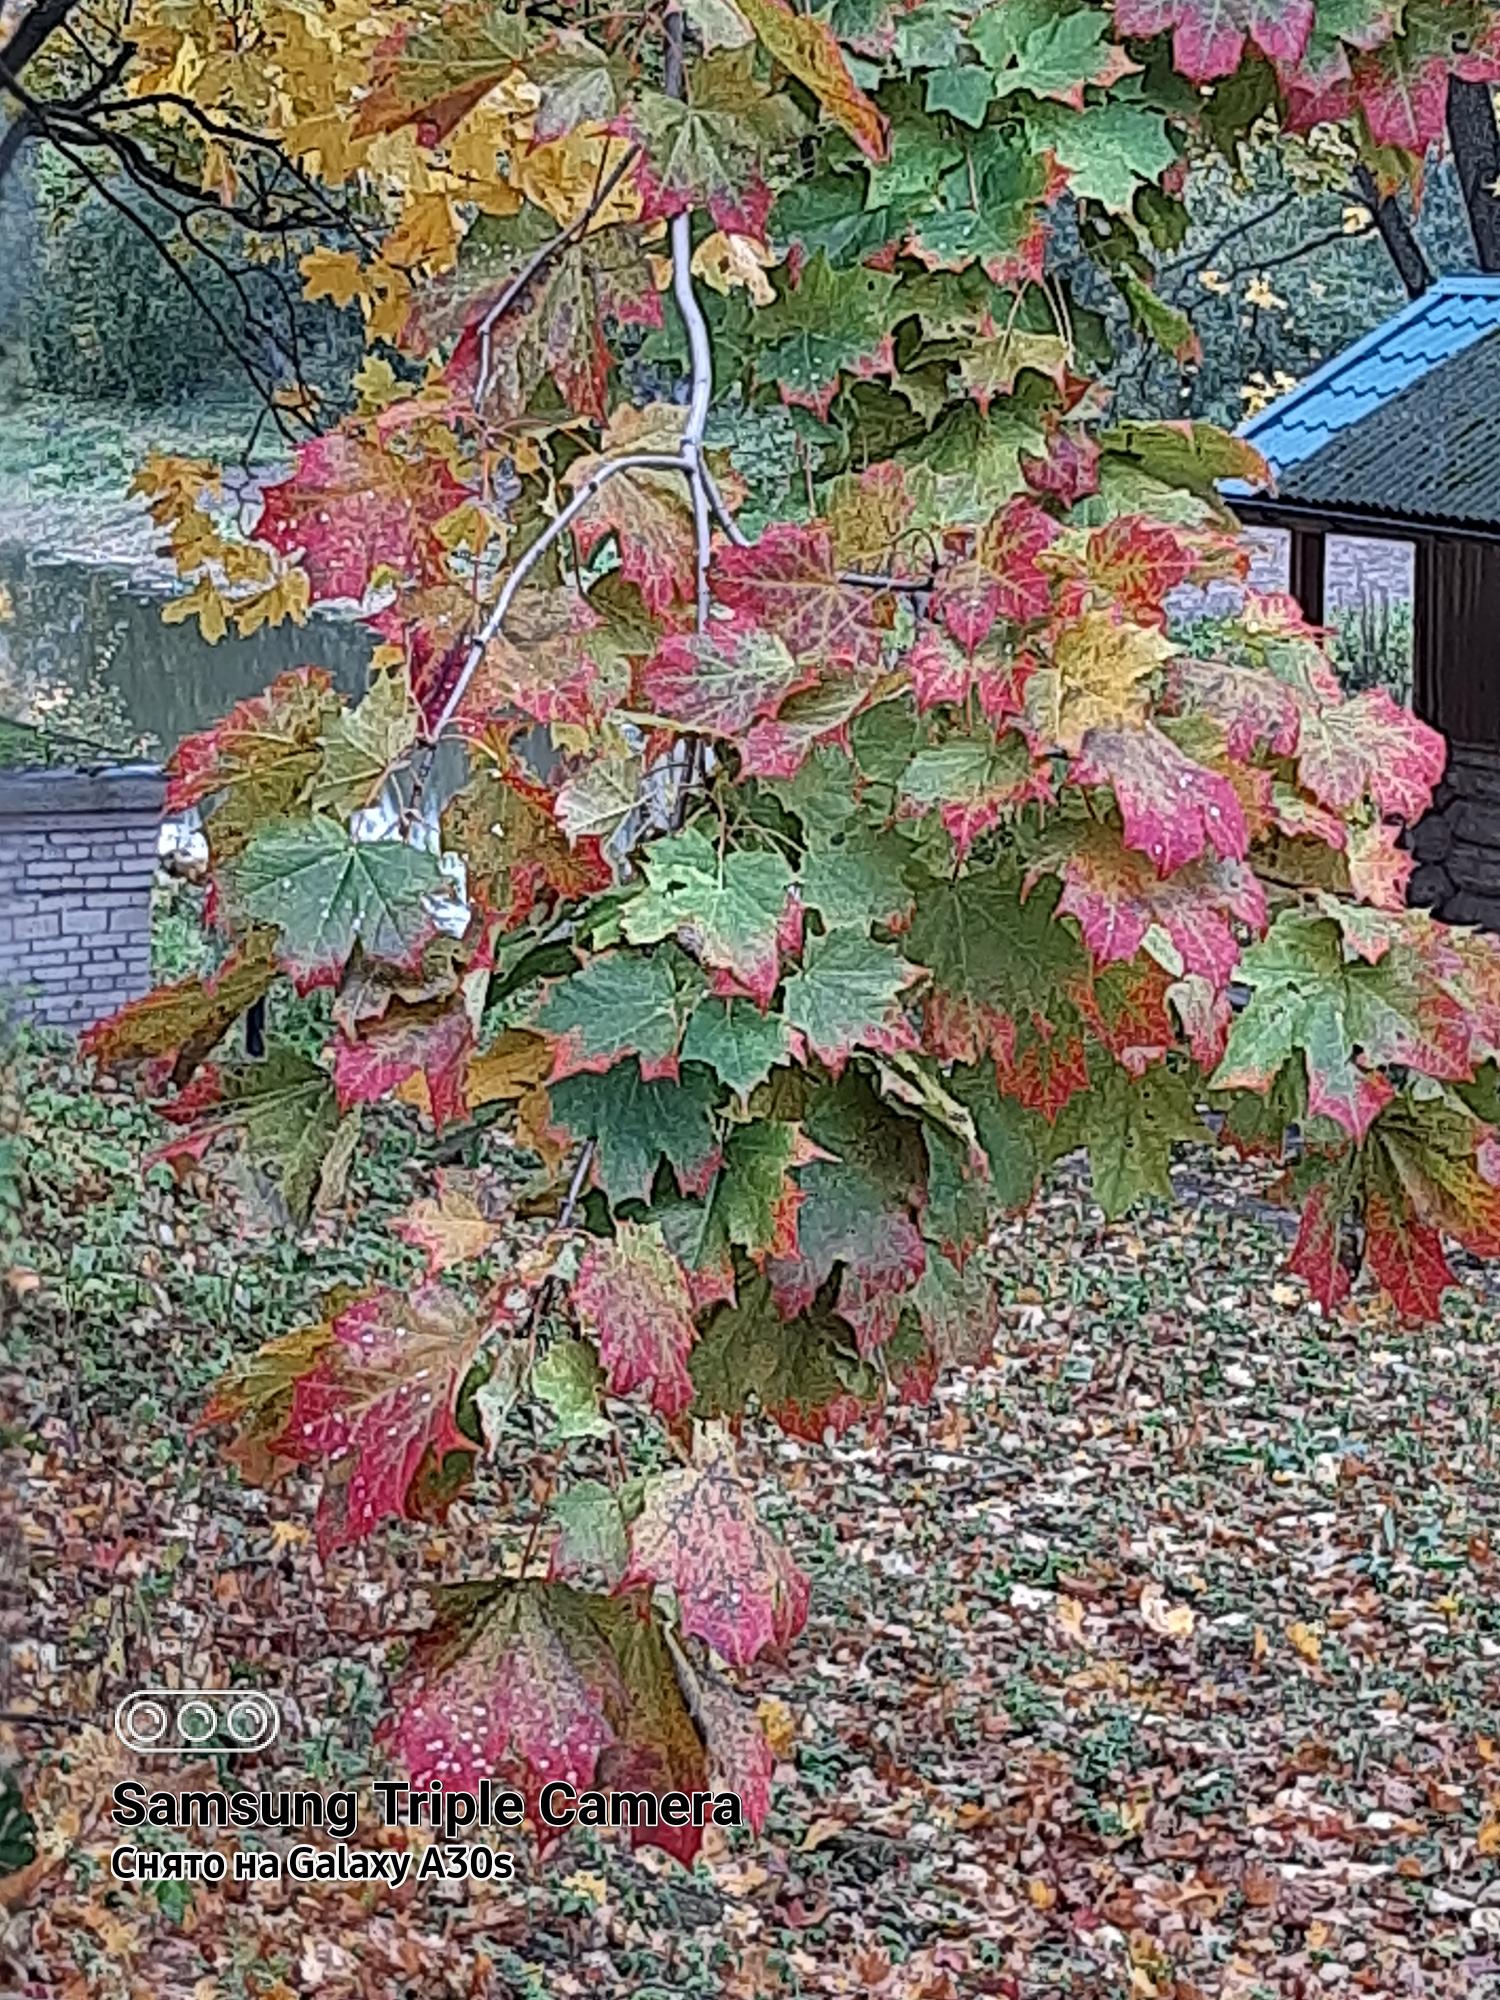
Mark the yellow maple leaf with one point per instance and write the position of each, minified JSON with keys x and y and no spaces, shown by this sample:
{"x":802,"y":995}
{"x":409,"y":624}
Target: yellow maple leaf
{"x":564,"y":177}
{"x":726,"y":261}
{"x":203,"y":602}
{"x":1305,"y":1641}
{"x":1101,"y":667}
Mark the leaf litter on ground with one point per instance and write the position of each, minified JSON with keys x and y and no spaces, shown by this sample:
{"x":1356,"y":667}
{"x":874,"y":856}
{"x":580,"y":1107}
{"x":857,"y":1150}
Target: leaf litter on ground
{"x":1156,"y":1658}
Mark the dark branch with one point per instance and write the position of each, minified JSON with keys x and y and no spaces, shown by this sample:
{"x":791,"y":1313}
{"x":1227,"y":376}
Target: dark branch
{"x":1476,"y":153}
{"x":1396,"y":234}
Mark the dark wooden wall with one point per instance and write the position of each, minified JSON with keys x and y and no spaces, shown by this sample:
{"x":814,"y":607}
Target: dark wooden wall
{"x":1456,"y":655}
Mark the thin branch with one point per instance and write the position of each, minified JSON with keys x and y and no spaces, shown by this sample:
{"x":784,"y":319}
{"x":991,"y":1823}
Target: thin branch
{"x":1301,"y":250}
{"x":194,"y":291}
{"x":1396,"y":233}
{"x":720,"y":506}
{"x":539,"y":258}
{"x":240,"y":135}
{"x":1204,"y":259}
{"x":638,"y":461}
{"x":12,"y":139}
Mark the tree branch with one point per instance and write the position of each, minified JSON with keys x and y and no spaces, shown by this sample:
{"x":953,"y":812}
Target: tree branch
{"x":1396,"y":234}
{"x":1476,"y":153}
{"x":659,"y":461}
{"x":537,"y":261}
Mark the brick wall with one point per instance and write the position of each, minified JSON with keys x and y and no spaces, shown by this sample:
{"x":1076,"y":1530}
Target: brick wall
{"x":77,"y":857}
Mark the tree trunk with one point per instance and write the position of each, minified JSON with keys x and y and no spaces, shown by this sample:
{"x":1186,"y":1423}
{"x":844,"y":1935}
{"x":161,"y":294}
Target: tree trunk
{"x":1476,"y":152}
{"x":1406,"y":252}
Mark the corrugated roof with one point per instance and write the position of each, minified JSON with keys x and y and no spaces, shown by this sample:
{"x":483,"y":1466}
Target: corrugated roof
{"x":1445,"y":322}
{"x":1429,"y":453}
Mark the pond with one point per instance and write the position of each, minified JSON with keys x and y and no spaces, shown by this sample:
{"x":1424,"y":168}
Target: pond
{"x":85,"y":648}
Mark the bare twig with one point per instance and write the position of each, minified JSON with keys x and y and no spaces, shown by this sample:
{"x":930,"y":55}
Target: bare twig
{"x":535,"y":263}
{"x":636,"y":461}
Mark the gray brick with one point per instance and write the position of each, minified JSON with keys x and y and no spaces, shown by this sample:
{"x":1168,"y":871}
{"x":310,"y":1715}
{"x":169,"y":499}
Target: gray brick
{"x":44,"y":923}
{"x":83,"y":921}
{"x":131,"y":918}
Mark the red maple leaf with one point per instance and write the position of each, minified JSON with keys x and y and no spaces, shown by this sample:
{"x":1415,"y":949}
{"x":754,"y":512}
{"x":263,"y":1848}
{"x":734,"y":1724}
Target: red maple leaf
{"x":737,"y":1588}
{"x":1406,"y":1255}
{"x":1251,"y":707}
{"x":1068,"y":472}
{"x":1116,"y":896}
{"x":350,"y":508}
{"x":514,"y":1683}
{"x":1317,"y":1254}
{"x":1370,"y":746}
{"x":1138,"y":562}
{"x":787,"y":582}
{"x":1046,"y":1072}
{"x":1171,"y":808}
{"x":379,"y":1402}
{"x":999,"y":577}
{"x":632,"y":1297}
{"x":1404,"y":97}
{"x":1209,"y":36}
{"x":408,"y":1042}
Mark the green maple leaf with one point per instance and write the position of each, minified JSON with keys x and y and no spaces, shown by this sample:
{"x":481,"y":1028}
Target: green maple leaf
{"x":847,"y":992}
{"x":637,"y":1122}
{"x":568,"y":1379}
{"x":739,"y":1043}
{"x":1129,"y":1125}
{"x":827,"y":324}
{"x":987,"y":205}
{"x":995,"y":958}
{"x":744,"y":1208}
{"x":1109,"y":150}
{"x":1030,"y":45}
{"x":1341,"y":1018}
{"x":590,"y":1531}
{"x":360,"y":746}
{"x":820,"y":793}
{"x":285,"y":1108}
{"x":623,"y":1003}
{"x":860,"y":880}
{"x":921,"y":153}
{"x":964,"y":90}
{"x":802,"y":1371}
{"x":725,"y":909}
{"x":326,"y":893}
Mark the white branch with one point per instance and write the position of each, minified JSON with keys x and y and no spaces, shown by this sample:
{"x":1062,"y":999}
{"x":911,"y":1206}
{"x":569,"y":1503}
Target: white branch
{"x":637,"y":461}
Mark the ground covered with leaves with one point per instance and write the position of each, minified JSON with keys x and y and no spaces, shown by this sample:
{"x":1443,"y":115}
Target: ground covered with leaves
{"x":1160,"y":1657}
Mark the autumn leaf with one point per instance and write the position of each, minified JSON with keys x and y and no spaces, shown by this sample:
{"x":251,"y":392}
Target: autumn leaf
{"x":351,"y":508}
{"x":1368,"y":747}
{"x":512,"y":1682}
{"x":646,"y":508}
{"x":807,"y":47}
{"x":698,"y":1532}
{"x":632,"y":1298}
{"x":787,"y":583}
{"x":432,"y":1043}
{"x":725,"y":908}
{"x":1001,"y":578}
{"x":1209,"y":36}
{"x":449,"y":1229}
{"x":255,"y":764}
{"x":720,"y":681}
{"x":325,"y":893}
{"x":377,"y":1404}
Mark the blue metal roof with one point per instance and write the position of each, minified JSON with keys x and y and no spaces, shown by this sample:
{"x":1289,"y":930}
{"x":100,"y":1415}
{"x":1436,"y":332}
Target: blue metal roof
{"x":1449,"y":317}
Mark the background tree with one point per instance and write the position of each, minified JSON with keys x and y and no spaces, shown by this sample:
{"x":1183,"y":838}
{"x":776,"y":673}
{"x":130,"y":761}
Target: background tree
{"x":798,"y":885}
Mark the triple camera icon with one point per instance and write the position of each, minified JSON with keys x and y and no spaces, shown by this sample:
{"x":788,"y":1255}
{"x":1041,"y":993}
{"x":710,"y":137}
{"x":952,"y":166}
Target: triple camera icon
{"x":216,"y":1722}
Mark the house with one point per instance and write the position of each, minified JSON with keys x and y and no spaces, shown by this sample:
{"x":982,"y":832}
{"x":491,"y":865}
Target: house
{"x":1398,"y":438}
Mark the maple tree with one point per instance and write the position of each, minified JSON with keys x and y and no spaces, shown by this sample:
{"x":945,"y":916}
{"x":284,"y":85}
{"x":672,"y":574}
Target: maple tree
{"x":811,"y":893}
